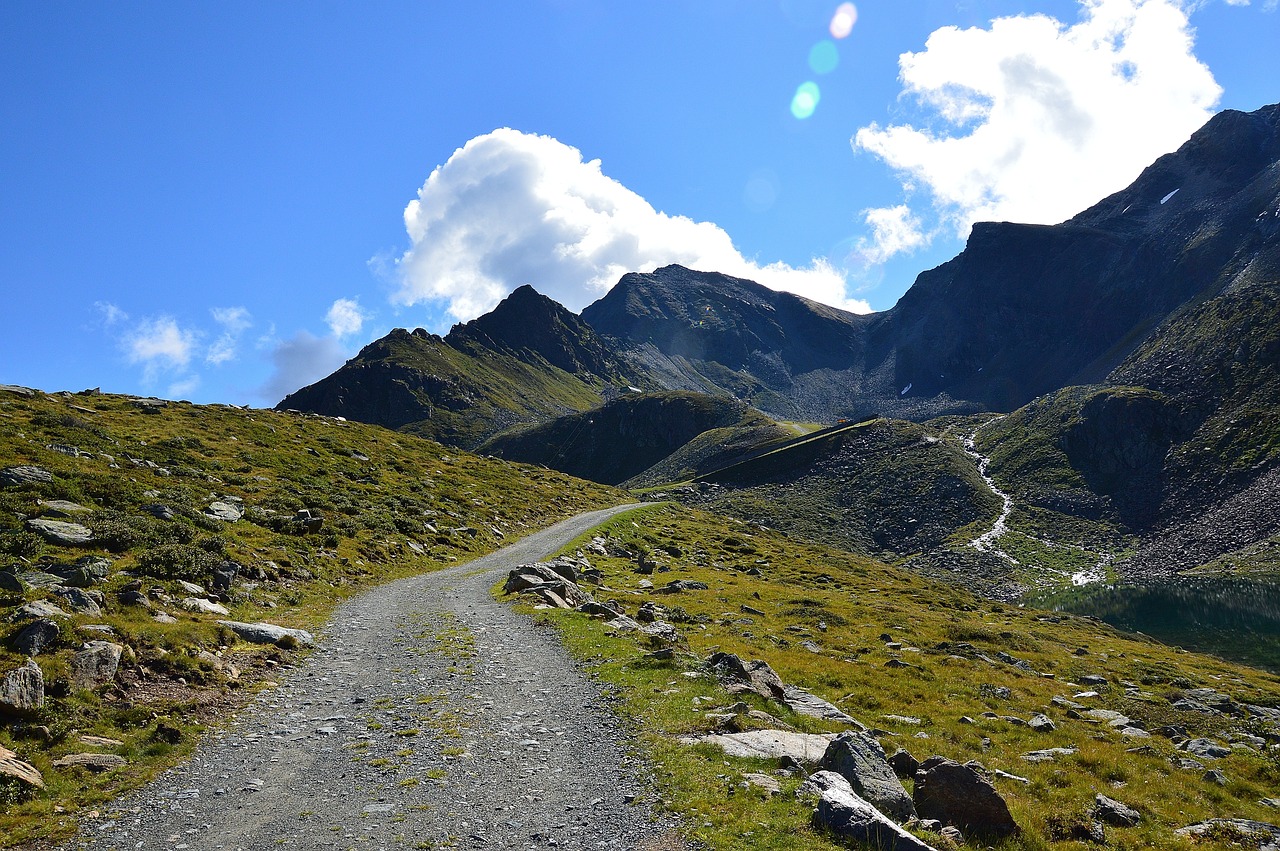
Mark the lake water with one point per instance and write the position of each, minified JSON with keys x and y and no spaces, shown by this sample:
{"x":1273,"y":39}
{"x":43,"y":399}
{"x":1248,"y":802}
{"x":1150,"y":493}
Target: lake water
{"x":1236,"y":619}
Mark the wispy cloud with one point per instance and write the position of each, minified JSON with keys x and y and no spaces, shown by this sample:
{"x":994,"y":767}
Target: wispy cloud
{"x":1033,"y":120}
{"x":234,"y":321}
{"x":510,"y":208}
{"x":345,"y":317}
{"x":110,"y":313}
{"x":159,"y":344}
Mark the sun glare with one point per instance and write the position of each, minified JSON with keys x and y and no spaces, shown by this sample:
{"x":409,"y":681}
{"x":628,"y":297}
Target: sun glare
{"x":824,"y":57}
{"x":805,"y":100}
{"x":843,"y":20}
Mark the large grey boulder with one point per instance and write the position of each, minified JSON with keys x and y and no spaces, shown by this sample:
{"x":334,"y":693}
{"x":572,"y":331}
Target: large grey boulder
{"x":96,"y":663}
{"x":80,"y":601}
{"x":36,"y":636}
{"x":1113,"y":812}
{"x":269,"y":633}
{"x":95,"y":762}
{"x":960,"y":795}
{"x":225,"y":511}
{"x":755,"y":676}
{"x":804,"y":748}
{"x":22,"y":689}
{"x":61,"y":532}
{"x":1265,"y":835}
{"x":24,"y":475}
{"x":859,"y":758}
{"x":843,"y":812}
{"x":803,"y":702}
{"x":203,"y":607}
{"x":84,"y":573}
{"x":38,"y":609}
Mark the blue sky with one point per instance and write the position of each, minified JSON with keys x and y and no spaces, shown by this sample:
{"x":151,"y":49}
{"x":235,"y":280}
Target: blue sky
{"x":221,"y":202}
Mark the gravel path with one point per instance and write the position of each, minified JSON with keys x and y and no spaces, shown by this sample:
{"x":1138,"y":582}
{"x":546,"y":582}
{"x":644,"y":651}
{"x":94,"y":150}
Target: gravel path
{"x":430,"y":716}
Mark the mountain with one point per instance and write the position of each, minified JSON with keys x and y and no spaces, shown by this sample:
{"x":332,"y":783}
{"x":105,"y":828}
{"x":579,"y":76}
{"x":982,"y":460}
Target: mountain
{"x":528,"y":360}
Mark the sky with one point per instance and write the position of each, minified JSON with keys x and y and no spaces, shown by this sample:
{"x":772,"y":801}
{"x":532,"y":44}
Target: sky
{"x":222,"y":202}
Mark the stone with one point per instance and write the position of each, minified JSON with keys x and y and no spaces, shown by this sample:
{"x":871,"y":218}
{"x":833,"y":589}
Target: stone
{"x":769,"y":785}
{"x":61,"y":532}
{"x":952,"y":834}
{"x":11,"y":766}
{"x":1048,"y":754}
{"x":269,"y":633}
{"x":1093,"y":680}
{"x":159,"y":511}
{"x":225,"y":511}
{"x":39,"y":609}
{"x":859,"y":758}
{"x":80,"y":601}
{"x":1206,"y":749}
{"x":677,"y":586}
{"x":1187,"y":763}
{"x":1113,"y":812}
{"x":22,"y":689}
{"x":96,"y":663}
{"x":1215,"y":777}
{"x":904,"y":764}
{"x":960,"y":795}
{"x":24,"y":475}
{"x":1257,"y":833}
{"x":820,"y":781}
{"x":223,"y":577}
{"x":852,"y":818}
{"x":204,"y":607}
{"x":164,"y":617}
{"x":134,"y":598}
{"x":96,"y":762}
{"x":84,"y":573}
{"x":190,"y":587}
{"x":62,"y":508}
{"x":755,"y":676}
{"x":802,"y":702}
{"x":804,"y":748}
{"x":36,"y":636}
{"x":99,"y":741}
{"x":1041,"y":723}
{"x":31,"y":580}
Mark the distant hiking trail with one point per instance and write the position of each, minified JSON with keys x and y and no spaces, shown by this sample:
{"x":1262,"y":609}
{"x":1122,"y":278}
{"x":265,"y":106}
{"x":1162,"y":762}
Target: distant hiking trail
{"x":430,"y":715}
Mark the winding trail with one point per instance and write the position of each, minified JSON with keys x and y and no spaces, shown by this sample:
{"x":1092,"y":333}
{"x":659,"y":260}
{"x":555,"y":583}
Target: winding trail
{"x":429,"y":716}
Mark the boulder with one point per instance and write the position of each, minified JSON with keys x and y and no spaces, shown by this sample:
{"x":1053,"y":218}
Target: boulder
{"x":677,"y":586}
{"x":84,"y":573}
{"x":31,"y":580}
{"x":1041,"y":723}
{"x":62,"y":508}
{"x":269,"y":633}
{"x":80,"y":601}
{"x":843,"y":812}
{"x":24,"y":475}
{"x":766,"y":784}
{"x":1257,"y":833}
{"x":204,"y":607}
{"x":223,"y":577}
{"x":1206,"y":749}
{"x":1048,"y":754}
{"x":755,"y":676}
{"x":15,"y":769}
{"x":22,"y":689}
{"x":38,"y":609}
{"x":859,"y":758}
{"x":96,"y":762}
{"x":803,"y":703}
{"x":904,"y":764}
{"x":225,"y":511}
{"x":960,"y":795}
{"x":61,"y":532}
{"x":1113,"y":812}
{"x":804,"y":748}
{"x":36,"y":636}
{"x":96,"y":663}
{"x":821,"y":781}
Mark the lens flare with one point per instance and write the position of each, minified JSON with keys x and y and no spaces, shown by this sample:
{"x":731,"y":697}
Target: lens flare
{"x":805,"y":100}
{"x":843,"y":20}
{"x":824,"y":57}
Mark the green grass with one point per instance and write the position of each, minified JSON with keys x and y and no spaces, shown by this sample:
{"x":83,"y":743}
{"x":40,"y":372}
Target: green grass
{"x":859,"y":600}
{"x":393,"y":505}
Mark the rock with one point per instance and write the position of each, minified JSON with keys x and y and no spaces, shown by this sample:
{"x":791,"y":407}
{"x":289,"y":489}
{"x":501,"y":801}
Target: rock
{"x":1041,"y":723}
{"x":952,"y":834}
{"x":1256,"y":833}
{"x":606,"y":610}
{"x":99,"y":741}
{"x":1187,"y":763}
{"x":1048,"y":754}
{"x":269,"y":633}
{"x":204,"y":607}
{"x":1113,"y":812}
{"x":805,"y":748}
{"x":821,"y":781}
{"x":860,"y":759}
{"x":1206,"y":749}
{"x":36,"y":636}
{"x":159,"y":511}
{"x":223,"y":577}
{"x":904,"y":764}
{"x":764,"y":782}
{"x":61,"y":532}
{"x":1093,"y":680}
{"x":959,"y":795}
{"x":164,"y":617}
{"x":84,"y":573}
{"x":852,"y":818}
{"x":39,"y":609}
{"x":95,"y":664}
{"x":22,"y":689}
{"x":677,"y":586}
{"x":14,"y":768}
{"x":62,"y":508}
{"x":31,"y":580}
{"x":224,"y":511}
{"x":92,"y":761}
{"x":80,"y":601}
{"x":754,"y":676}
{"x":24,"y":475}
{"x":1004,"y":775}
{"x":134,"y":598}
{"x":1061,"y":701}
{"x":804,"y":703}
{"x":191,"y":587}
{"x":1215,"y":777}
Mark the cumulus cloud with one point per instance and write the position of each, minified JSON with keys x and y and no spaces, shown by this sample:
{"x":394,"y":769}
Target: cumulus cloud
{"x":1032,"y":120}
{"x":301,"y":360}
{"x":159,"y":344}
{"x":345,"y":317}
{"x":894,"y":230}
{"x":510,"y":208}
{"x":234,"y":321}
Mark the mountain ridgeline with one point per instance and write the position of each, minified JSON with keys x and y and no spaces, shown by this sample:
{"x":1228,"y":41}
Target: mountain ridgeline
{"x":1135,"y":345}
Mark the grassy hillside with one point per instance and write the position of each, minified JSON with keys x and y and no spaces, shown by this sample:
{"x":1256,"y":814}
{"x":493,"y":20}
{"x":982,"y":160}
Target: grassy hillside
{"x":387,"y":504}
{"x":920,"y":662}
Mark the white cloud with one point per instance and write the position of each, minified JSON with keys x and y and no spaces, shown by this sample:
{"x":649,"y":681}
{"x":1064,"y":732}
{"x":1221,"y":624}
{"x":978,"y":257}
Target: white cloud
{"x":345,"y":317}
{"x":184,"y":387}
{"x":301,"y":360}
{"x":894,"y":230}
{"x":234,"y":321}
{"x":1039,"y":120}
{"x":158,"y":343}
{"x":111,"y":314}
{"x":510,"y":208}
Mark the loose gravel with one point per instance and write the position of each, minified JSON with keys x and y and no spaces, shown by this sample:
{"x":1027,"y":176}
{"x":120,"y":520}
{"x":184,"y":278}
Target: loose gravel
{"x":429,"y":716}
